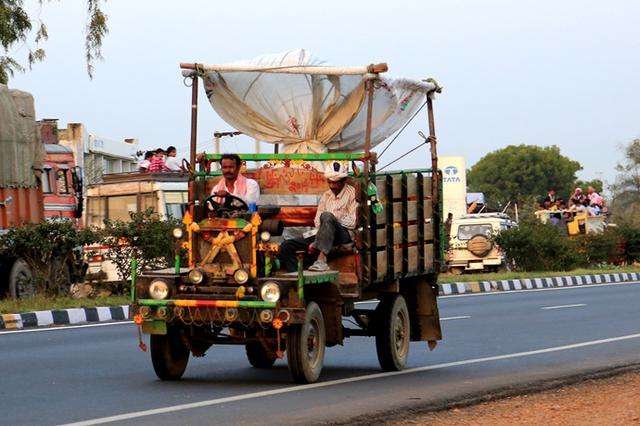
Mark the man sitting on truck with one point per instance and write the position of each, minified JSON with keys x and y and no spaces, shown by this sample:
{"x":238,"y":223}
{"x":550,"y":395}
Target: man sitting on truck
{"x":334,"y":223}
{"x":234,"y":183}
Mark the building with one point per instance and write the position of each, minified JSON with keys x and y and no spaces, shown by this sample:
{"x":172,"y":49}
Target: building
{"x":98,"y":155}
{"x":61,"y":188}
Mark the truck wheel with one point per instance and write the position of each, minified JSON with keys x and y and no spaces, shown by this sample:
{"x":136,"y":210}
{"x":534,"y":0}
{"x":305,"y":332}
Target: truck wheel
{"x":305,"y":346}
{"x":392,"y":333}
{"x":169,"y":354}
{"x":259,"y":356}
{"x":21,"y":280}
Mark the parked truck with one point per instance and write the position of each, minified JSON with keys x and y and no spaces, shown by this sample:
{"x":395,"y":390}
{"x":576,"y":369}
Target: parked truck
{"x":37,"y":181}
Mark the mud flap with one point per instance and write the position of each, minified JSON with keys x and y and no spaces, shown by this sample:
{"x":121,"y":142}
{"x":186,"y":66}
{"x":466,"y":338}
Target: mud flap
{"x":423,"y":310}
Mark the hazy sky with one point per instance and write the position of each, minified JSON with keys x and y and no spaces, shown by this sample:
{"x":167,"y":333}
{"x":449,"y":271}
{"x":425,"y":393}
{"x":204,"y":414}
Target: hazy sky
{"x":534,"y":72}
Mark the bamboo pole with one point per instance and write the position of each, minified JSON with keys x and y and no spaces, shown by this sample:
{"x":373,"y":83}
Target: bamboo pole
{"x":301,"y":69}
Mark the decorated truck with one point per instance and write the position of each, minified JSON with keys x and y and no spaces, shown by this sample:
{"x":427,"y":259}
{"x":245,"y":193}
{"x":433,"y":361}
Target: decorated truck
{"x":38,"y":181}
{"x":232,"y":290}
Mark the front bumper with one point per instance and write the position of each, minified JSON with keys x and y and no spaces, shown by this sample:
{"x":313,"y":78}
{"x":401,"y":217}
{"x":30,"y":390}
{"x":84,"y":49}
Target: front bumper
{"x":187,"y":303}
{"x":153,"y":314}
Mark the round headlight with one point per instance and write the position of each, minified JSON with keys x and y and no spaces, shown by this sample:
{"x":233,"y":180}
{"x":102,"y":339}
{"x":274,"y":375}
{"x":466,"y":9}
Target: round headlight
{"x":177,"y":233}
{"x":196,"y":276}
{"x":270,"y":292}
{"x":265,"y":236}
{"x":158,"y":290}
{"x":241,"y":276}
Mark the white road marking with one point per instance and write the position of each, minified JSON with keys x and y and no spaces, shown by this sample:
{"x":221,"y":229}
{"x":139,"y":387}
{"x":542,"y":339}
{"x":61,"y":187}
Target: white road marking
{"x":455,"y":318}
{"x":290,"y":389}
{"x":575,"y":305}
{"x":38,"y":330}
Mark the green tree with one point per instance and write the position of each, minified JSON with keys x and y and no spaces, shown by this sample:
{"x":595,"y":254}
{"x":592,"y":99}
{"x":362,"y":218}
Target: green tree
{"x":523,"y":171}
{"x":18,"y":29}
{"x":49,"y":248}
{"x":626,"y":189}
{"x":146,"y":238}
{"x":595,"y":183}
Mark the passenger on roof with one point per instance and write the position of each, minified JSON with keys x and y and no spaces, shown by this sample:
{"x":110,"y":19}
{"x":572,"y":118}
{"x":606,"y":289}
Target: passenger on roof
{"x":335,"y":222}
{"x":172,"y":162}
{"x":143,"y":166}
{"x":157,"y":162}
{"x":234,"y":183}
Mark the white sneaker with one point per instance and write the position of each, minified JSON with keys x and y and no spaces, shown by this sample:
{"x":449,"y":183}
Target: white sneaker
{"x":319,"y":266}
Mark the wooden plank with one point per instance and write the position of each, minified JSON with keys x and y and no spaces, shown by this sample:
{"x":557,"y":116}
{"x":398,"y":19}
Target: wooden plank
{"x":412,"y":234}
{"x":411,"y":185}
{"x":412,"y":260}
{"x":412,"y":212}
{"x":428,"y":257}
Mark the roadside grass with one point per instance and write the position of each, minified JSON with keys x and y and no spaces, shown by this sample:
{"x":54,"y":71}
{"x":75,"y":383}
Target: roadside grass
{"x":450,"y":278}
{"x":43,"y":303}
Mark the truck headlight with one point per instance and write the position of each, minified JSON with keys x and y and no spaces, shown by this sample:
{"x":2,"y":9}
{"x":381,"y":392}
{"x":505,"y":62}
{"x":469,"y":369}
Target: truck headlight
{"x":177,"y":233}
{"x":265,"y":236}
{"x":196,"y":276}
{"x":158,"y":290}
{"x":241,"y":276}
{"x":270,"y":292}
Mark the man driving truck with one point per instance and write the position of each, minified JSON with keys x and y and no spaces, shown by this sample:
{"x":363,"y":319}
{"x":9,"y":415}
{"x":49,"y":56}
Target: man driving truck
{"x":335,"y":222}
{"x":234,"y":183}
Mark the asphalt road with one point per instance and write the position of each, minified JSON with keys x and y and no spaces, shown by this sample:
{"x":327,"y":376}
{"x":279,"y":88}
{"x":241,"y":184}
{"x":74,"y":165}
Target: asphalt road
{"x":491,"y":342}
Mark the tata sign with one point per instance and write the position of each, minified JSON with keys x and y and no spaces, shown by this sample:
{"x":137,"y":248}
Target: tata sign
{"x":454,"y":185}
{"x":451,"y":174}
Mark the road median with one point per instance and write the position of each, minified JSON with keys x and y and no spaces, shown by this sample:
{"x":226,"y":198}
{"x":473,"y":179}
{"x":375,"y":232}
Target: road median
{"x":63,"y":317}
{"x":456,"y":288}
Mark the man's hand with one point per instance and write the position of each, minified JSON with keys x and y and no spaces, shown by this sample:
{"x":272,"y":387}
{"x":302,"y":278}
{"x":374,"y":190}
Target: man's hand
{"x":221,"y":193}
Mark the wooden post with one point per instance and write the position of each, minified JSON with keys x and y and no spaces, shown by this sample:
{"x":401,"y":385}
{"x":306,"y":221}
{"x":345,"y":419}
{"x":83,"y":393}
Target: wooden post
{"x":192,"y":159}
{"x":194,"y":120}
{"x":369,"y":225}
{"x":435,"y":187}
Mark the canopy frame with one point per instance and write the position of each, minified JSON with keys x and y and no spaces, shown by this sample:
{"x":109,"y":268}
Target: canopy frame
{"x":194,"y":70}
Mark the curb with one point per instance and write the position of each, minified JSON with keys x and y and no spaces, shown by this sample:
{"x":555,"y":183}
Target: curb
{"x":63,"y":317}
{"x":535,"y":283}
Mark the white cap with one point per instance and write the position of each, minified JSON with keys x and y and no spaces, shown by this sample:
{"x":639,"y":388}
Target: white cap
{"x":336,"y":170}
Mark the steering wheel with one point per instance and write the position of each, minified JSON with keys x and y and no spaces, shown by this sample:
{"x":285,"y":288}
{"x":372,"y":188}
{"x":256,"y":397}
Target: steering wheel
{"x":230,"y":205}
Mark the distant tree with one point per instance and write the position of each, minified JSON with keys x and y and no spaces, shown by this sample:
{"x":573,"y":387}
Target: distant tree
{"x":18,"y":29}
{"x":595,"y":183}
{"x":519,"y":172}
{"x":626,"y":189}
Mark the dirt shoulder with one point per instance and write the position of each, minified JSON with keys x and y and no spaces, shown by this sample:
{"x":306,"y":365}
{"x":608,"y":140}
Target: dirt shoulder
{"x":612,"y":401}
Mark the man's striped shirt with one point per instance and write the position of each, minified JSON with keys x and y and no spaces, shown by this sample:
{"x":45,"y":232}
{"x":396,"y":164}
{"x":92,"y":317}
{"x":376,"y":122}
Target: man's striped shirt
{"x":343,"y":206}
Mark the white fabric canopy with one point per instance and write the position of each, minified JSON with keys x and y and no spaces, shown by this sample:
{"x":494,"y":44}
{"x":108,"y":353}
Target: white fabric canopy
{"x":309,"y":112}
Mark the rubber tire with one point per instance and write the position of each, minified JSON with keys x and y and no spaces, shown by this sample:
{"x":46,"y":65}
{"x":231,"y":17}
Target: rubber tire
{"x":484,"y":252}
{"x":19,"y":271}
{"x":169,"y":354}
{"x":258,"y":356}
{"x":302,"y":370}
{"x":387,"y":312}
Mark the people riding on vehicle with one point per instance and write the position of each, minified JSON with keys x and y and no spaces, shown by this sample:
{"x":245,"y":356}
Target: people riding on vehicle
{"x":577,"y":198}
{"x":335,"y":222}
{"x":172,"y":162}
{"x":234,"y":183}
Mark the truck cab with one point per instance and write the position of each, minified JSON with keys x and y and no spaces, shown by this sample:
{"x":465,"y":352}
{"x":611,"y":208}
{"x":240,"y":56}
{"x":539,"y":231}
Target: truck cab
{"x":123,"y":193}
